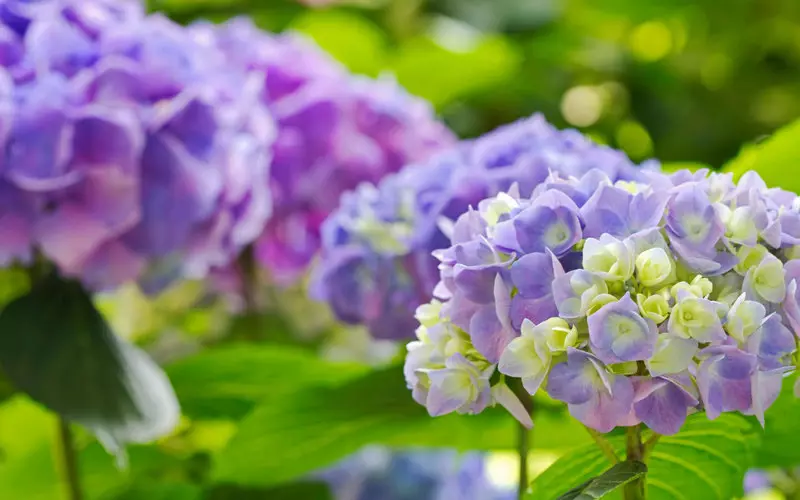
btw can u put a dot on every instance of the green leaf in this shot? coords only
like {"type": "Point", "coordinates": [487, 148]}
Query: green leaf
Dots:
{"type": "Point", "coordinates": [618, 475]}
{"type": "Point", "coordinates": [159, 491]}
{"type": "Point", "coordinates": [780, 443]}
{"type": "Point", "coordinates": [356, 42]}
{"type": "Point", "coordinates": [288, 436]}
{"type": "Point", "coordinates": [29, 467]}
{"type": "Point", "coordinates": [772, 158]}
{"type": "Point", "coordinates": [55, 346]}
{"type": "Point", "coordinates": [442, 75]}
{"type": "Point", "coordinates": [295, 491]}
{"type": "Point", "coordinates": [284, 439]}
{"type": "Point", "coordinates": [706, 459]}
{"type": "Point", "coordinates": [227, 382]}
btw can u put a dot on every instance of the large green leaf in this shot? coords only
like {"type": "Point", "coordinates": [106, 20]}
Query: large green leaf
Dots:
{"type": "Point", "coordinates": [55, 346]}
{"type": "Point", "coordinates": [226, 382]}
{"type": "Point", "coordinates": [706, 459]}
{"type": "Point", "coordinates": [772, 158]}
{"type": "Point", "coordinates": [598, 487]}
{"type": "Point", "coordinates": [288, 436]}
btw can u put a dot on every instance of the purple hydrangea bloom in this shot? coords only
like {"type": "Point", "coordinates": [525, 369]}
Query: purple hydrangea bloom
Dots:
{"type": "Point", "coordinates": [130, 151]}
{"type": "Point", "coordinates": [397, 225]}
{"type": "Point", "coordinates": [335, 131]}
{"type": "Point", "coordinates": [674, 294]}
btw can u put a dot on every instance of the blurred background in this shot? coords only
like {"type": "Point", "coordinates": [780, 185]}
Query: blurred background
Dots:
{"type": "Point", "coordinates": [681, 80]}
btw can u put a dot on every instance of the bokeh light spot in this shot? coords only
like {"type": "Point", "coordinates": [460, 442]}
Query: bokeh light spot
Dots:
{"type": "Point", "coordinates": [634, 139]}
{"type": "Point", "coordinates": [582, 105]}
{"type": "Point", "coordinates": [650, 41]}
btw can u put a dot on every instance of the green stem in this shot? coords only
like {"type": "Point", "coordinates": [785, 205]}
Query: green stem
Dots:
{"type": "Point", "coordinates": [523, 449]}
{"type": "Point", "coordinates": [248, 274]}
{"type": "Point", "coordinates": [604, 445]}
{"type": "Point", "coordinates": [525, 436]}
{"type": "Point", "coordinates": [636, 489]}
{"type": "Point", "coordinates": [651, 443]}
{"type": "Point", "coordinates": [69, 461]}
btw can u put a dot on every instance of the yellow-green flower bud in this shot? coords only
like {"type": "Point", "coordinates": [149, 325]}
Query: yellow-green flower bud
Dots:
{"type": "Point", "coordinates": [654, 267]}
{"type": "Point", "coordinates": [655, 307]}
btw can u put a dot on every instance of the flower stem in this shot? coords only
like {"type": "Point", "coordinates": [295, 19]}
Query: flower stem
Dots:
{"type": "Point", "coordinates": [248, 274]}
{"type": "Point", "coordinates": [525, 436]}
{"type": "Point", "coordinates": [523, 448]}
{"type": "Point", "coordinates": [651, 443]}
{"type": "Point", "coordinates": [69, 461]}
{"type": "Point", "coordinates": [636, 489]}
{"type": "Point", "coordinates": [603, 444]}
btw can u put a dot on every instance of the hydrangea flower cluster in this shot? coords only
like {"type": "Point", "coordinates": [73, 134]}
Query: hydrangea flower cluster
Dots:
{"type": "Point", "coordinates": [335, 131]}
{"type": "Point", "coordinates": [631, 302]}
{"type": "Point", "coordinates": [433, 474]}
{"type": "Point", "coordinates": [128, 152]}
{"type": "Point", "coordinates": [376, 266]}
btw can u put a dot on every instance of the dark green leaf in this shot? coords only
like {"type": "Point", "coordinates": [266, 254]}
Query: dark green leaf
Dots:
{"type": "Point", "coordinates": [286, 437]}
{"type": "Point", "coordinates": [296, 491]}
{"type": "Point", "coordinates": [227, 382]}
{"type": "Point", "coordinates": [159, 491]}
{"type": "Point", "coordinates": [780, 443]}
{"type": "Point", "coordinates": [706, 459]}
{"type": "Point", "coordinates": [55, 346]}
{"type": "Point", "coordinates": [598, 487]}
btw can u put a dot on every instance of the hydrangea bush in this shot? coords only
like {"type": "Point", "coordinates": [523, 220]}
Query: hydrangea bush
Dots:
{"type": "Point", "coordinates": [376, 266]}
{"type": "Point", "coordinates": [334, 131]}
{"type": "Point", "coordinates": [128, 151]}
{"type": "Point", "coordinates": [630, 301]}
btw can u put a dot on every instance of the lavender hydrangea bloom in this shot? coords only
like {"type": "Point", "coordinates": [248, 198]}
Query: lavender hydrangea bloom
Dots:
{"type": "Point", "coordinates": [130, 151]}
{"type": "Point", "coordinates": [597, 398]}
{"type": "Point", "coordinates": [618, 333]}
{"type": "Point", "coordinates": [713, 325]}
{"type": "Point", "coordinates": [413, 474]}
{"type": "Point", "coordinates": [402, 221]}
{"type": "Point", "coordinates": [335, 131]}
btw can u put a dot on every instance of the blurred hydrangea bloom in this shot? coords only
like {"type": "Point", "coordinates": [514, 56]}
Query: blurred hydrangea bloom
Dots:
{"type": "Point", "coordinates": [639, 303]}
{"type": "Point", "coordinates": [413, 475]}
{"type": "Point", "coordinates": [376, 263]}
{"type": "Point", "coordinates": [335, 130]}
{"type": "Point", "coordinates": [129, 152]}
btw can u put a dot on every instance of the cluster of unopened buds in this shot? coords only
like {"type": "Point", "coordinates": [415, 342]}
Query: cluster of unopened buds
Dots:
{"type": "Point", "coordinates": [631, 302]}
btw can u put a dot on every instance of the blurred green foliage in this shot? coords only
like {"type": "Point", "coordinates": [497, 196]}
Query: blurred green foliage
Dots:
{"type": "Point", "coordinates": [681, 80]}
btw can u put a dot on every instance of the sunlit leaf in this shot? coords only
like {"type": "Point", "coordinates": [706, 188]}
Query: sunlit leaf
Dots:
{"type": "Point", "coordinates": [772, 158]}
{"type": "Point", "coordinates": [352, 40]}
